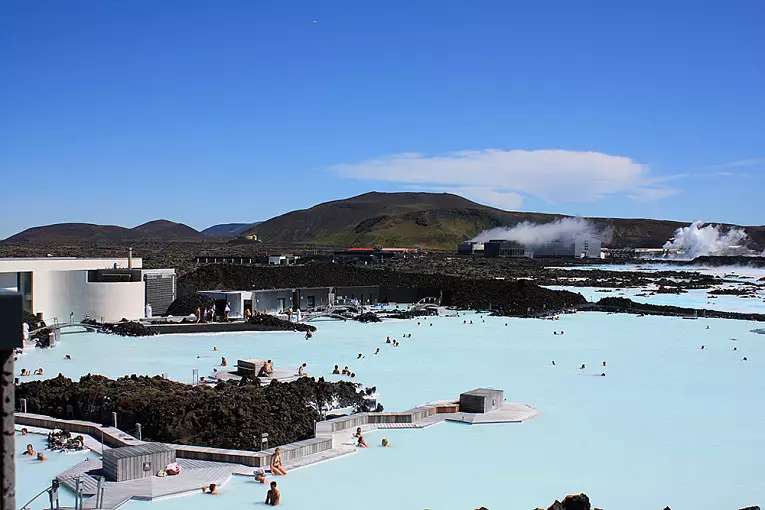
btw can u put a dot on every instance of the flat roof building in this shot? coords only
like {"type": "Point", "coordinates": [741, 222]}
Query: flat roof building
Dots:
{"type": "Point", "coordinates": [68, 288]}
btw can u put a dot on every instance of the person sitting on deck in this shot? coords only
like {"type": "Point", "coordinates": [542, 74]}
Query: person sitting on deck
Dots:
{"type": "Point", "coordinates": [212, 489]}
{"type": "Point", "coordinates": [277, 468]}
{"type": "Point", "coordinates": [358, 432]}
{"type": "Point", "coordinates": [30, 450]}
{"type": "Point", "coordinates": [260, 476]}
{"type": "Point", "coordinates": [173, 469]}
{"type": "Point", "coordinates": [362, 443]}
{"type": "Point", "coordinates": [273, 495]}
{"type": "Point", "coordinates": [301, 370]}
{"type": "Point", "coordinates": [336, 371]}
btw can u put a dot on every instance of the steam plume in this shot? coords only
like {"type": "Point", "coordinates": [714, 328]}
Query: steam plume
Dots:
{"type": "Point", "coordinates": [539, 234]}
{"type": "Point", "coordinates": [697, 240]}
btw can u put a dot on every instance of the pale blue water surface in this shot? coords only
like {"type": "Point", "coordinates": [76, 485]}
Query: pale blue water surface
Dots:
{"type": "Point", "coordinates": [670, 424]}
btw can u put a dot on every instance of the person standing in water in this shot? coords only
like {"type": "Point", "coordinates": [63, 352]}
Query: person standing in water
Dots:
{"type": "Point", "coordinates": [273, 495]}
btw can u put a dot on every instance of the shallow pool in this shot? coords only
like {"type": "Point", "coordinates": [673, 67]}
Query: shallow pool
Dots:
{"type": "Point", "coordinates": [33, 476]}
{"type": "Point", "coordinates": [678, 425]}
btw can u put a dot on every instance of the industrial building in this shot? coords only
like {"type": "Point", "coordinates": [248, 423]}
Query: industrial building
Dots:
{"type": "Point", "coordinates": [505, 248]}
{"type": "Point", "coordinates": [580, 247]}
{"type": "Point", "coordinates": [68, 288]}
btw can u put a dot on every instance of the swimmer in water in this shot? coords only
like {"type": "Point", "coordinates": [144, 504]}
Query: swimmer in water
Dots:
{"type": "Point", "coordinates": [744, 358]}
{"type": "Point", "coordinates": [67, 357]}
{"type": "Point", "coordinates": [336, 371]}
{"type": "Point", "coordinates": [387, 340]}
{"type": "Point", "coordinates": [385, 443]}
{"type": "Point", "coordinates": [359, 356]}
{"type": "Point", "coordinates": [702, 347]}
{"type": "Point", "coordinates": [604, 363]}
{"type": "Point", "coordinates": [377, 351]}
{"type": "Point", "coordinates": [582, 367]}
{"type": "Point", "coordinates": [553, 362]}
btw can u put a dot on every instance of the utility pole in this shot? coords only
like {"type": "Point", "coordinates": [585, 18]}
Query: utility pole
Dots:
{"type": "Point", "coordinates": [11, 316]}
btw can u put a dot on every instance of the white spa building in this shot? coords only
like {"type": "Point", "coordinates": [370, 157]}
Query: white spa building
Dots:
{"type": "Point", "coordinates": [69, 289]}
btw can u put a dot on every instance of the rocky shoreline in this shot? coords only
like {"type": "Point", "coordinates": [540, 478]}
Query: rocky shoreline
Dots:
{"type": "Point", "coordinates": [624, 305]}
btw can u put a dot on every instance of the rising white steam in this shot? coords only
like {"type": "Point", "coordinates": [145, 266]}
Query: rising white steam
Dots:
{"type": "Point", "coordinates": [539, 234]}
{"type": "Point", "coordinates": [697, 240]}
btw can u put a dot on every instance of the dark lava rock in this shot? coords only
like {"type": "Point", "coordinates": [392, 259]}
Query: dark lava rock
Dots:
{"type": "Point", "coordinates": [367, 317]}
{"type": "Point", "coordinates": [187, 305]}
{"type": "Point", "coordinates": [411, 314]}
{"type": "Point", "coordinates": [127, 328]}
{"type": "Point", "coordinates": [271, 323]}
{"type": "Point", "coordinates": [624, 305]}
{"type": "Point", "coordinates": [226, 415]}
{"type": "Point", "coordinates": [751, 508]}
{"type": "Point", "coordinates": [573, 502]}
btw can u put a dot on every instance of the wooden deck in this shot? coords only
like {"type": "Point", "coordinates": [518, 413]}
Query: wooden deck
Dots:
{"type": "Point", "coordinates": [193, 476]}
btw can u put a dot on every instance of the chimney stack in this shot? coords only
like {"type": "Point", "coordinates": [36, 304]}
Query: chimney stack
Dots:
{"type": "Point", "coordinates": [130, 258]}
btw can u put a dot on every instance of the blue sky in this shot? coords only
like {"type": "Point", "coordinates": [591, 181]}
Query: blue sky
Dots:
{"type": "Point", "coordinates": [207, 112]}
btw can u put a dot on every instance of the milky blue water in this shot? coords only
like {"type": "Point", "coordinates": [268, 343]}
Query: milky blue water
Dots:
{"type": "Point", "coordinates": [679, 425]}
{"type": "Point", "coordinates": [694, 298]}
{"type": "Point", "coordinates": [33, 476]}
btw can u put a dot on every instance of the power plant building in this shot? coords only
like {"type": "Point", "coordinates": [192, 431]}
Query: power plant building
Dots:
{"type": "Point", "coordinates": [581, 247]}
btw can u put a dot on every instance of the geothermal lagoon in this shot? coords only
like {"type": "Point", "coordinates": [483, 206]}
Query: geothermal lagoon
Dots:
{"type": "Point", "coordinates": [669, 424]}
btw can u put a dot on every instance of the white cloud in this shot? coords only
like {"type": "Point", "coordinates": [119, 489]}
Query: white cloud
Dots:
{"type": "Point", "coordinates": [741, 163]}
{"type": "Point", "coordinates": [500, 177]}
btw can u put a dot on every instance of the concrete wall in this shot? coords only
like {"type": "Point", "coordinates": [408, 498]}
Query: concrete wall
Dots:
{"type": "Point", "coordinates": [269, 299]}
{"type": "Point", "coordinates": [58, 293]}
{"type": "Point", "coordinates": [320, 297]}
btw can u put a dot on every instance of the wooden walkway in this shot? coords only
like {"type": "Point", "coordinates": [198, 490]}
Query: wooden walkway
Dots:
{"type": "Point", "coordinates": [194, 475]}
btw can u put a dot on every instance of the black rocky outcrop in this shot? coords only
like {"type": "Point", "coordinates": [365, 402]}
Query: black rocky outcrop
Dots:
{"type": "Point", "coordinates": [225, 415]}
{"type": "Point", "coordinates": [187, 305]}
{"type": "Point", "coordinates": [268, 322]}
{"type": "Point", "coordinates": [367, 317]}
{"type": "Point", "coordinates": [624, 305]}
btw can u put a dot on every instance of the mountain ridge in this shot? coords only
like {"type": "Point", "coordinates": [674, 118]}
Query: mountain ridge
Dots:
{"type": "Point", "coordinates": [81, 232]}
{"type": "Point", "coordinates": [437, 221]}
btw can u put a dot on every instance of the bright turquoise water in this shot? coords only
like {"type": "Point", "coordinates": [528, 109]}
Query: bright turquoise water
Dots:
{"type": "Point", "coordinates": [678, 425]}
